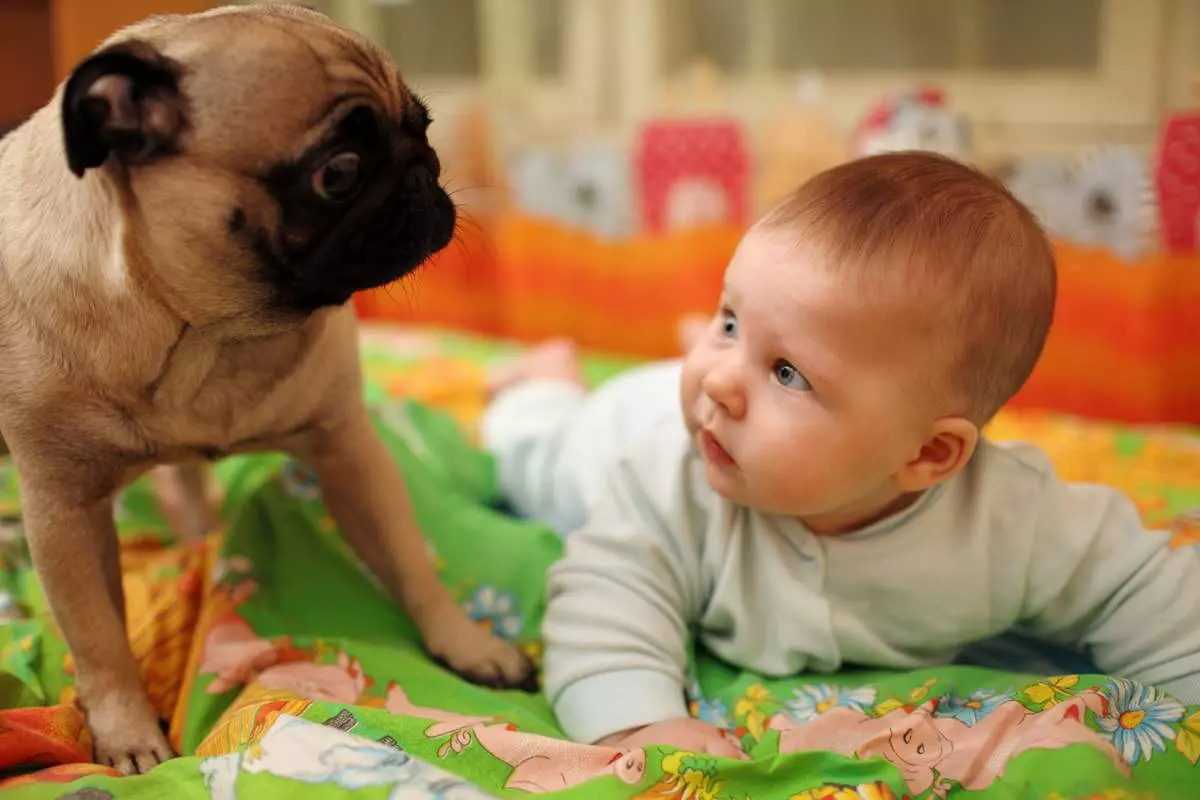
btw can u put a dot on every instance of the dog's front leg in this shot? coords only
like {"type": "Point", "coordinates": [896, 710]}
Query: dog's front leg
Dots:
{"type": "Point", "coordinates": [183, 498]}
{"type": "Point", "coordinates": [367, 496]}
{"type": "Point", "coordinates": [74, 550]}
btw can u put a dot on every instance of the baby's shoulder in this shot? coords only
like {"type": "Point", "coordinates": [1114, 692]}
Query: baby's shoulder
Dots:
{"type": "Point", "coordinates": [1003, 487]}
{"type": "Point", "coordinates": [1010, 464]}
{"type": "Point", "coordinates": [1024, 476]}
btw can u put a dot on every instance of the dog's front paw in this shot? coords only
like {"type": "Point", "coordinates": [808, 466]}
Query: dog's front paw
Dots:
{"type": "Point", "coordinates": [126, 735]}
{"type": "Point", "coordinates": [472, 652]}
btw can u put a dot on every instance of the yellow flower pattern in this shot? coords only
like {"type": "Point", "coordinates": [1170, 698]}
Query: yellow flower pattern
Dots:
{"type": "Point", "coordinates": [838, 791]}
{"type": "Point", "coordinates": [686, 776]}
{"type": "Point", "coordinates": [750, 708]}
{"type": "Point", "coordinates": [1107, 794]}
{"type": "Point", "coordinates": [1187, 741]}
{"type": "Point", "coordinates": [888, 706]}
{"type": "Point", "coordinates": [920, 693]}
{"type": "Point", "coordinates": [1052, 691]}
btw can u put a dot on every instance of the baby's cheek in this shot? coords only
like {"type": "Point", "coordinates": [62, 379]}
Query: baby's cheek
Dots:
{"type": "Point", "coordinates": [793, 478]}
{"type": "Point", "coordinates": [865, 451]}
{"type": "Point", "coordinates": [805, 451]}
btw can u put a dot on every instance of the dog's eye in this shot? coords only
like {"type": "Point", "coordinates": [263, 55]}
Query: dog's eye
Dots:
{"type": "Point", "coordinates": [337, 179]}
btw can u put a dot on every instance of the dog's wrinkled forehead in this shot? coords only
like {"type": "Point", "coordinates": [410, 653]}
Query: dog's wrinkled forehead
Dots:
{"type": "Point", "coordinates": [284, 65]}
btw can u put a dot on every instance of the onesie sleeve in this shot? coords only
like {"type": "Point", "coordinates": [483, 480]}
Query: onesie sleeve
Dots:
{"type": "Point", "coordinates": [621, 599]}
{"type": "Point", "coordinates": [1100, 581]}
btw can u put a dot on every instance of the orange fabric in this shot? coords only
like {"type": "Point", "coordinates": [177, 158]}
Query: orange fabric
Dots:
{"type": "Point", "coordinates": [457, 288]}
{"type": "Point", "coordinates": [1125, 344]}
{"type": "Point", "coordinates": [43, 737]}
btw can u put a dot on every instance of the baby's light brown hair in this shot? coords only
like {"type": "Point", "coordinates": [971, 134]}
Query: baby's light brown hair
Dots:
{"type": "Point", "coordinates": [973, 259]}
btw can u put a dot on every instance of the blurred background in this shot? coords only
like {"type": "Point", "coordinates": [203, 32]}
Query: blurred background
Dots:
{"type": "Point", "coordinates": [1028, 75]}
{"type": "Point", "coordinates": [607, 154]}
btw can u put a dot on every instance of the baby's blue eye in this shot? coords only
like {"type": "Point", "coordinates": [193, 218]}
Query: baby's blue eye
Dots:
{"type": "Point", "coordinates": [790, 377]}
{"type": "Point", "coordinates": [729, 324]}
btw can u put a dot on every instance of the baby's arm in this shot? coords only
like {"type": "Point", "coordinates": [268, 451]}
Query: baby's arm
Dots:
{"type": "Point", "coordinates": [1099, 580]}
{"type": "Point", "coordinates": [620, 602]}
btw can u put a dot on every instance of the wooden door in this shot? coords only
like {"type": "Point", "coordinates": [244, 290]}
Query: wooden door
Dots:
{"type": "Point", "coordinates": [26, 62]}
{"type": "Point", "coordinates": [80, 25]}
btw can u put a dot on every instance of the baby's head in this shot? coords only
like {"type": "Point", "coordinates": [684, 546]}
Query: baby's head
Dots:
{"type": "Point", "coordinates": [870, 324]}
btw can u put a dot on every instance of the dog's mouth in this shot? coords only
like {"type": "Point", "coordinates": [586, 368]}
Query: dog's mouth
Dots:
{"type": "Point", "coordinates": [396, 224]}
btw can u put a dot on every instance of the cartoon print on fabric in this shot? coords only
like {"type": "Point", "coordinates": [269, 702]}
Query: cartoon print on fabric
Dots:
{"type": "Point", "coordinates": [845, 791]}
{"type": "Point", "coordinates": [810, 702]}
{"type": "Point", "coordinates": [11, 609]}
{"type": "Point", "coordinates": [342, 682]}
{"type": "Point", "coordinates": [540, 764]}
{"type": "Point", "coordinates": [248, 719]}
{"type": "Point", "coordinates": [496, 609]}
{"type": "Point", "coordinates": [1139, 719]}
{"type": "Point", "coordinates": [971, 709]}
{"type": "Point", "coordinates": [300, 480]}
{"type": "Point", "coordinates": [343, 721]}
{"type": "Point", "coordinates": [234, 576]}
{"type": "Point", "coordinates": [932, 751]}
{"type": "Point", "coordinates": [87, 793]}
{"type": "Point", "coordinates": [233, 653]}
{"type": "Point", "coordinates": [710, 710]}
{"type": "Point", "coordinates": [686, 776]}
{"type": "Point", "coordinates": [312, 753]}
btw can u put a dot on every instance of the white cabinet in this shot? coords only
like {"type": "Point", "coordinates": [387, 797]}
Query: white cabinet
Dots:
{"type": "Point", "coordinates": [1030, 75]}
{"type": "Point", "coordinates": [534, 63]}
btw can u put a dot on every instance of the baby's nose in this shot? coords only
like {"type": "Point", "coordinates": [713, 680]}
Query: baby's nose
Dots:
{"type": "Point", "coordinates": [724, 385]}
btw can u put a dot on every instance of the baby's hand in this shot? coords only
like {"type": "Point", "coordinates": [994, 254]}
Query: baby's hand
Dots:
{"type": "Point", "coordinates": [685, 734]}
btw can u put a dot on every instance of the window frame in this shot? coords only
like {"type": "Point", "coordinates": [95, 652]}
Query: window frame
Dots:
{"type": "Point", "coordinates": [507, 85]}
{"type": "Point", "coordinates": [1009, 111]}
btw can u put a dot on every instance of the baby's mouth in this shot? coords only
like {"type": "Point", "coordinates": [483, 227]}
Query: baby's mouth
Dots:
{"type": "Point", "coordinates": [714, 453]}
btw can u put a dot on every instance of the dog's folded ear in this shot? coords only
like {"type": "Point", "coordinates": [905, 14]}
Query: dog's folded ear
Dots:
{"type": "Point", "coordinates": [122, 101]}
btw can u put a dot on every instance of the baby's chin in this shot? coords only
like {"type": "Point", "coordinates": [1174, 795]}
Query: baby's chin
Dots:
{"type": "Point", "coordinates": [729, 484]}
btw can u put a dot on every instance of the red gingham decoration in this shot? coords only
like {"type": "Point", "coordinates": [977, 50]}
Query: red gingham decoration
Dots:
{"type": "Point", "coordinates": [672, 150]}
{"type": "Point", "coordinates": [1177, 179]}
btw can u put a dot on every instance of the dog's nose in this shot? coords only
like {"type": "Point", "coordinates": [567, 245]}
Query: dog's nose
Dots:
{"type": "Point", "coordinates": [419, 177]}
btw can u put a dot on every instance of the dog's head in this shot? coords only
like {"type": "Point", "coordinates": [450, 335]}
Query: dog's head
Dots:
{"type": "Point", "coordinates": [266, 162]}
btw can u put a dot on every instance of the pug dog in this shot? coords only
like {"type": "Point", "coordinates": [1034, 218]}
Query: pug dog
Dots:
{"type": "Point", "coordinates": [181, 230]}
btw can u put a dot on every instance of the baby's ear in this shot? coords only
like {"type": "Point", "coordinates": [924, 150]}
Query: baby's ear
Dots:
{"type": "Point", "coordinates": [943, 455]}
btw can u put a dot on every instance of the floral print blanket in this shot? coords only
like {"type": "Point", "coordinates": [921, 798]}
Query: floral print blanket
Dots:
{"type": "Point", "coordinates": [283, 671]}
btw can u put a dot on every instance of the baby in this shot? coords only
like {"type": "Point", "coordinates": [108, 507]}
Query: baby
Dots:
{"type": "Point", "coordinates": [826, 498]}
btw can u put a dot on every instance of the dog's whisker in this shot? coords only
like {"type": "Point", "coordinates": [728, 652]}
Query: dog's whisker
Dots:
{"type": "Point", "coordinates": [387, 289]}
{"type": "Point", "coordinates": [486, 241]}
{"type": "Point", "coordinates": [481, 187]}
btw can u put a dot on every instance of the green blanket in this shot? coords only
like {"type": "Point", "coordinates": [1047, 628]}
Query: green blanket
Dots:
{"type": "Point", "coordinates": [285, 672]}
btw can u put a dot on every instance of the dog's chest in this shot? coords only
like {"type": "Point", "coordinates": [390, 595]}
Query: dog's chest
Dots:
{"type": "Point", "coordinates": [223, 417]}
{"type": "Point", "coordinates": [211, 401]}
